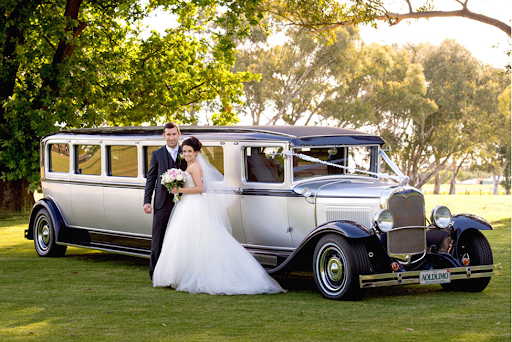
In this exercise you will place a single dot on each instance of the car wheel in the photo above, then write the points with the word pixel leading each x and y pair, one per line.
pixel 44 236
pixel 337 265
pixel 473 244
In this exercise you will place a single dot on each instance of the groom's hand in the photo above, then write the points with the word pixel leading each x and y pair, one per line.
pixel 147 208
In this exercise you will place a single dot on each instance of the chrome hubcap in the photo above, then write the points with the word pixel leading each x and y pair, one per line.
pixel 331 268
pixel 43 233
pixel 335 268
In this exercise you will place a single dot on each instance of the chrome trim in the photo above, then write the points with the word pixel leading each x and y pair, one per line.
pixel 330 266
pixel 268 248
pixel 405 258
pixel 43 233
pixel 433 215
pixel 109 232
pixel 376 219
pixel 105 249
pixel 96 183
pixel 413 277
pixel 404 191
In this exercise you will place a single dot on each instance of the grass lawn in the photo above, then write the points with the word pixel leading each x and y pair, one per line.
pixel 96 296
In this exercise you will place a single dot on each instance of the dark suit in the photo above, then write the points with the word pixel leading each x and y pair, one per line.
pixel 161 161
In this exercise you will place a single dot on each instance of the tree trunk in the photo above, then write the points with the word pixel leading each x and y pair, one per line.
pixel 437 184
pixel 15 197
pixel 496 183
pixel 453 179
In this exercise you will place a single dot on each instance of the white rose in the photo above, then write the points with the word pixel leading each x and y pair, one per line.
pixel 179 177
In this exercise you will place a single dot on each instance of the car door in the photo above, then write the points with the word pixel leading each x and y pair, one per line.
pixel 264 196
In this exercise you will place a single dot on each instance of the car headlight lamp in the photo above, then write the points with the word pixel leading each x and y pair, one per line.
pixel 441 216
pixel 383 220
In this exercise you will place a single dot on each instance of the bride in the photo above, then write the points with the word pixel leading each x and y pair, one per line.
pixel 199 255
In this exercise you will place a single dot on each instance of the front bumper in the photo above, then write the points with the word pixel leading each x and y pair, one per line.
pixel 413 277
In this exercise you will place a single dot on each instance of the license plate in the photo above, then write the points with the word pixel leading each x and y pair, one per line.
pixel 435 277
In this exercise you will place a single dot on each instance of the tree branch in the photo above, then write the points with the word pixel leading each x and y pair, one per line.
pixel 395 18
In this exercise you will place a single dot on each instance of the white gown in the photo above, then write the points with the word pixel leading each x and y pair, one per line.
pixel 200 256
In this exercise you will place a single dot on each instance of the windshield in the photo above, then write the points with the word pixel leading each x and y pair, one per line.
pixel 359 158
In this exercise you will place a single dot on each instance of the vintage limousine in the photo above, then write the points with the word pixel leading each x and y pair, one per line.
pixel 311 199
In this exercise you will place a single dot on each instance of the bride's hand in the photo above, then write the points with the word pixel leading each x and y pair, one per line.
pixel 175 191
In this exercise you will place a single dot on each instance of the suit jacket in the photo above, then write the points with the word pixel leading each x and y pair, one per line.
pixel 160 162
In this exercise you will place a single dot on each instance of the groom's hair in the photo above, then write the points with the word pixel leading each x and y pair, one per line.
pixel 172 125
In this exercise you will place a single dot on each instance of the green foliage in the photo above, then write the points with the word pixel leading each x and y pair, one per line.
pixel 431 104
pixel 299 78
pixel 78 63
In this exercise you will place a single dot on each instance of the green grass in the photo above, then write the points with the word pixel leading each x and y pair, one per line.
pixel 464 189
pixel 89 295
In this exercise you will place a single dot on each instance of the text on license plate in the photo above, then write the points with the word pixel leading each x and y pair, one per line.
pixel 435 277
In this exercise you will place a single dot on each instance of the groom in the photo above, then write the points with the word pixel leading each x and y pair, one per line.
pixel 163 159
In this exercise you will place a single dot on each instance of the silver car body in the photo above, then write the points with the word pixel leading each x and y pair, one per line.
pixel 283 203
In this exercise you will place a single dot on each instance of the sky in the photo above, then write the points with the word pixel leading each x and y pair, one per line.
pixel 477 37
pixel 486 43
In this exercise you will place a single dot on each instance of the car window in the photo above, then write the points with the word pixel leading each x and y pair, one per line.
pixel 263 165
pixel 122 161
pixel 88 159
pixel 351 159
pixel 59 158
pixel 147 157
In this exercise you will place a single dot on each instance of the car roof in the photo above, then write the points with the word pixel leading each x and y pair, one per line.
pixel 296 135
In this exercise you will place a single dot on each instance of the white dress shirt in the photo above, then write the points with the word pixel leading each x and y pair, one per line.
pixel 173 151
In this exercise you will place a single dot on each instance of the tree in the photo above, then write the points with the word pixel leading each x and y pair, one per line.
pixel 82 63
pixel 329 15
pixel 324 17
pixel 465 92
pixel 495 156
pixel 297 77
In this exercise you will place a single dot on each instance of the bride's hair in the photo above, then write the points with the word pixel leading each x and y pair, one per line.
pixel 193 142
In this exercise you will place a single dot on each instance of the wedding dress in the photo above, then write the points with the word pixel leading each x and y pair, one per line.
pixel 199 255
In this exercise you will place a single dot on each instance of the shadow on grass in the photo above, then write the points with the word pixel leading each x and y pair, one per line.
pixel 93 256
pixel 503 223
pixel 306 283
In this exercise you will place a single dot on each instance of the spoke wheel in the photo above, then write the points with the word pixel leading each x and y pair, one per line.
pixel 337 265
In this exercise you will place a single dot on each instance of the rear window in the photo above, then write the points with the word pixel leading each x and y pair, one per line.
pixel 59 158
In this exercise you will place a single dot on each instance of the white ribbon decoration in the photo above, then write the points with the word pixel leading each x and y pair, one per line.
pixel 401 179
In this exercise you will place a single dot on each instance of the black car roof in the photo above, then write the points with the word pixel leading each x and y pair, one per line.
pixel 296 135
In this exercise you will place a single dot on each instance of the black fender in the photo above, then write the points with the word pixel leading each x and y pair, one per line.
pixel 462 222
pixel 301 258
pixel 446 240
pixel 55 216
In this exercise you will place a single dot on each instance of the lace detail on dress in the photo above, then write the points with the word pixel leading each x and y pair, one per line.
pixel 189 181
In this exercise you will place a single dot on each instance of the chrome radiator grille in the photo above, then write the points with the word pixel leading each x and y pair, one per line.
pixel 411 240
pixel 408 209
pixel 360 215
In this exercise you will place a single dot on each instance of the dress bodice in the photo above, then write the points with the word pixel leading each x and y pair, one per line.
pixel 189 182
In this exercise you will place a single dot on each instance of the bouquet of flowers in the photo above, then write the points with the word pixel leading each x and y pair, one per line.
pixel 173 178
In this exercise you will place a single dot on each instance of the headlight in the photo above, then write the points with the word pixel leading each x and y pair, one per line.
pixel 383 220
pixel 441 216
